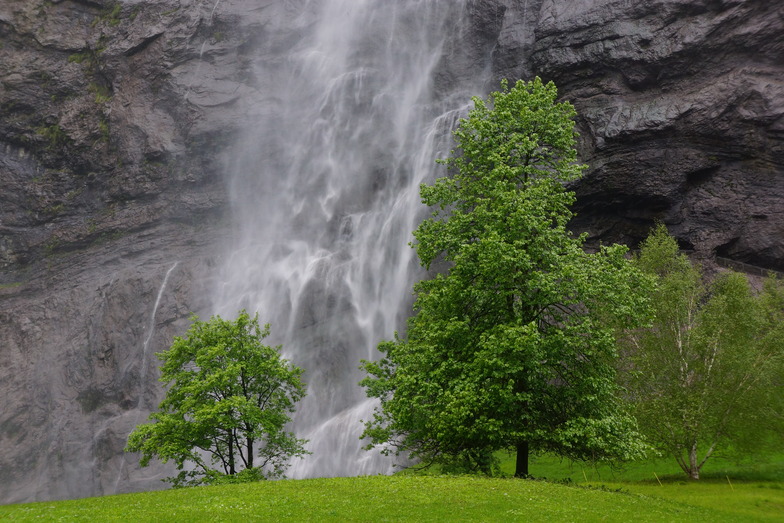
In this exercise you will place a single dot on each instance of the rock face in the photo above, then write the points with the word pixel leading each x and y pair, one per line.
pixel 681 106
pixel 108 188
pixel 116 121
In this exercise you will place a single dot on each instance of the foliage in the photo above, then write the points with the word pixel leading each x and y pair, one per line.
pixel 101 93
pixel 54 135
pixel 225 410
pixel 707 375
pixel 514 347
pixel 109 14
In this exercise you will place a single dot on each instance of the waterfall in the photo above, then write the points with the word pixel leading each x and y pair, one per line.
pixel 324 186
pixel 144 367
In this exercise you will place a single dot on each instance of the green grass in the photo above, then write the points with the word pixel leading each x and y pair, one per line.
pixel 740 501
pixel 749 491
pixel 373 498
pixel 753 491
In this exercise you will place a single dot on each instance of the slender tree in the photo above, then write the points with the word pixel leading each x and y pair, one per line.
pixel 708 374
pixel 226 407
pixel 513 346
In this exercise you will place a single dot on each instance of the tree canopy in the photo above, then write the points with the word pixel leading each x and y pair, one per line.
pixel 513 346
pixel 707 375
pixel 228 401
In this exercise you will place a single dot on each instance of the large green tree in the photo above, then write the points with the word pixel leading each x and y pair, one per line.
pixel 513 346
pixel 228 401
pixel 708 375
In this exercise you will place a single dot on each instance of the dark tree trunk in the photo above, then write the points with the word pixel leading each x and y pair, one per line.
pixel 521 466
pixel 231 453
pixel 250 452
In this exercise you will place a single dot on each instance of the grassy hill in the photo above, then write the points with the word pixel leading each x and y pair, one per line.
pixel 748 493
pixel 376 498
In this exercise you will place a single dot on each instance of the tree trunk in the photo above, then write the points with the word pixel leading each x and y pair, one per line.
pixel 521 465
pixel 231 453
pixel 694 468
pixel 250 452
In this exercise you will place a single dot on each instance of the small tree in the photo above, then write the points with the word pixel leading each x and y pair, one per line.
pixel 513 348
pixel 708 374
pixel 226 407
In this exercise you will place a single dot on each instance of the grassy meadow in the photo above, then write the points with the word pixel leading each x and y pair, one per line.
pixel 373 498
pixel 750 492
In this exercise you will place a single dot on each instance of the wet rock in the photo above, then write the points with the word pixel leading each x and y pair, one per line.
pixel 680 105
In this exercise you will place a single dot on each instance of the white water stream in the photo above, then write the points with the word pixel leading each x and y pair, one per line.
pixel 325 196
pixel 144 368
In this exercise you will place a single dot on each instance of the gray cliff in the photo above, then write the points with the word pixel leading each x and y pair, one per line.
pixel 117 120
pixel 681 107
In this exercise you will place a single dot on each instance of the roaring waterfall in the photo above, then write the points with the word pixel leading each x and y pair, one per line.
pixel 324 186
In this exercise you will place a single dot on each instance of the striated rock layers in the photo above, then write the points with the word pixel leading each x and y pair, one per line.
pixel 681 106
pixel 116 124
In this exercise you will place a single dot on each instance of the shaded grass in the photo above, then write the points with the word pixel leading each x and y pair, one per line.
pixel 741 501
pixel 767 467
pixel 374 498
pixel 752 490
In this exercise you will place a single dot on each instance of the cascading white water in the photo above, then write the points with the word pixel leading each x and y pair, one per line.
pixel 325 194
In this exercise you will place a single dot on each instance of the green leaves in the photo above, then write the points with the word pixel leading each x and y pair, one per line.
pixel 514 346
pixel 229 398
pixel 707 374
pixel 517 136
